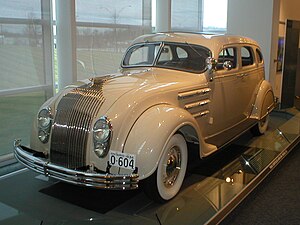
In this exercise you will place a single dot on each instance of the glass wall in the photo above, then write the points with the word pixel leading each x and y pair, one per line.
pixel 105 29
pixel 199 15
pixel 24 85
pixel 215 16
pixel 186 17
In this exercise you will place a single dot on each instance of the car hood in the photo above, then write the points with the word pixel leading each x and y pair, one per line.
pixel 142 82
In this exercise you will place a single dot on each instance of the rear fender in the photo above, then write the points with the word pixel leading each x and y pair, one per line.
pixel 264 102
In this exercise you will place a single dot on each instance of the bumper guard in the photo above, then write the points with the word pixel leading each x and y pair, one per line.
pixel 87 179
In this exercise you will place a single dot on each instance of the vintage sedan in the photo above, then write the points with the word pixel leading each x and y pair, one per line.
pixel 110 132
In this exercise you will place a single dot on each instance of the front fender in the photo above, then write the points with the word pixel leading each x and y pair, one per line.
pixel 151 132
pixel 264 102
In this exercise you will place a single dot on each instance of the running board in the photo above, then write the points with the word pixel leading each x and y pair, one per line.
pixel 227 136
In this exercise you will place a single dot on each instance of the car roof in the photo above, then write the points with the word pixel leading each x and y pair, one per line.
pixel 211 41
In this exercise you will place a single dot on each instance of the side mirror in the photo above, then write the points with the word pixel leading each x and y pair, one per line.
pixel 211 65
pixel 227 65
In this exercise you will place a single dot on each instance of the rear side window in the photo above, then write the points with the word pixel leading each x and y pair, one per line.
pixel 247 56
pixel 259 56
pixel 181 53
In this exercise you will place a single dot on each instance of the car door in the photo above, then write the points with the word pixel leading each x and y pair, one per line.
pixel 233 88
pixel 224 111
pixel 249 77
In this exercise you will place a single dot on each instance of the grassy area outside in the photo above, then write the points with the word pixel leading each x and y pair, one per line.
pixel 16 115
pixel 21 66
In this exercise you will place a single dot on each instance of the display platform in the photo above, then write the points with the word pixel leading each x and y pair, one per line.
pixel 212 188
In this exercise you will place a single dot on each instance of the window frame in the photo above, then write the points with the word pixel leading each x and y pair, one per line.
pixel 162 44
pixel 259 56
pixel 251 51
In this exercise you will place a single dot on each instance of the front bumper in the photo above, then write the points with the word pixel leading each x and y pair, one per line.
pixel 88 179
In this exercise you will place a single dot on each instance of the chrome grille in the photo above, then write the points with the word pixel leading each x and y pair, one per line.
pixel 72 124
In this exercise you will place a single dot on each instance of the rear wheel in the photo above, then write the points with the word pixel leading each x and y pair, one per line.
pixel 261 127
pixel 166 182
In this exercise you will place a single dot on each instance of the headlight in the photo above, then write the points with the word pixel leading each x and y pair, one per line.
pixel 44 118
pixel 44 124
pixel 43 136
pixel 102 132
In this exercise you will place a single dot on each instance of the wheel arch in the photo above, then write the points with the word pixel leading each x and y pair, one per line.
pixel 264 102
pixel 159 123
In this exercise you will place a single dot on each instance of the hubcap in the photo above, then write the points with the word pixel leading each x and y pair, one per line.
pixel 172 166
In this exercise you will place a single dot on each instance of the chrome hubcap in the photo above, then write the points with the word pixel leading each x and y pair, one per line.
pixel 172 167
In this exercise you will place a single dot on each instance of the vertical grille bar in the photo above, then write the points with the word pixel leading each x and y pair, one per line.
pixel 72 124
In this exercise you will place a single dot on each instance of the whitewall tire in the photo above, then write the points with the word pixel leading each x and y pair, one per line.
pixel 166 182
pixel 261 127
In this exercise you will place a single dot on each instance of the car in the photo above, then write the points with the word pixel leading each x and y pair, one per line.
pixel 133 127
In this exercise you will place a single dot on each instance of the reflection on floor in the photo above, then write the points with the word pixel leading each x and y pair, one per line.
pixel 210 186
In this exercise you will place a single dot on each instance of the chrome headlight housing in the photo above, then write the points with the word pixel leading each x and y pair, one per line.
pixel 102 133
pixel 44 121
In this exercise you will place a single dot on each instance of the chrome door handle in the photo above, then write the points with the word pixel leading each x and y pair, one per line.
pixel 242 75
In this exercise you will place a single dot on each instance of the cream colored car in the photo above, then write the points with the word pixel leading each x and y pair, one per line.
pixel 111 132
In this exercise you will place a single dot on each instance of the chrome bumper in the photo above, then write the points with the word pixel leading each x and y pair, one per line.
pixel 88 179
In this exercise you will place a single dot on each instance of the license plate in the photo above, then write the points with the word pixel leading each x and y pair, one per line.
pixel 122 160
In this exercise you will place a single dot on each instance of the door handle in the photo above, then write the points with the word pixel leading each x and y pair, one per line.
pixel 242 75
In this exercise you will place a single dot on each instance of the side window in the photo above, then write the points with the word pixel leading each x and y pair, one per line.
pixel 181 53
pixel 166 54
pixel 259 56
pixel 227 54
pixel 247 56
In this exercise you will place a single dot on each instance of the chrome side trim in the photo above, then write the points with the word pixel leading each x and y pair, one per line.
pixel 200 114
pixel 87 179
pixel 196 104
pixel 188 94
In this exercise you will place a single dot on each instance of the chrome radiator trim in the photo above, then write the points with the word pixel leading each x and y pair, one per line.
pixel 82 178
pixel 72 123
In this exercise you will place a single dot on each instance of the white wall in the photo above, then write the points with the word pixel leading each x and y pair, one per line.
pixel 289 9
pixel 259 20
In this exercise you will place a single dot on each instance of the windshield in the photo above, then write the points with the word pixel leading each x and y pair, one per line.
pixel 177 56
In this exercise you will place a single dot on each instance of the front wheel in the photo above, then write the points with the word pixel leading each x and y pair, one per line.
pixel 261 127
pixel 166 182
